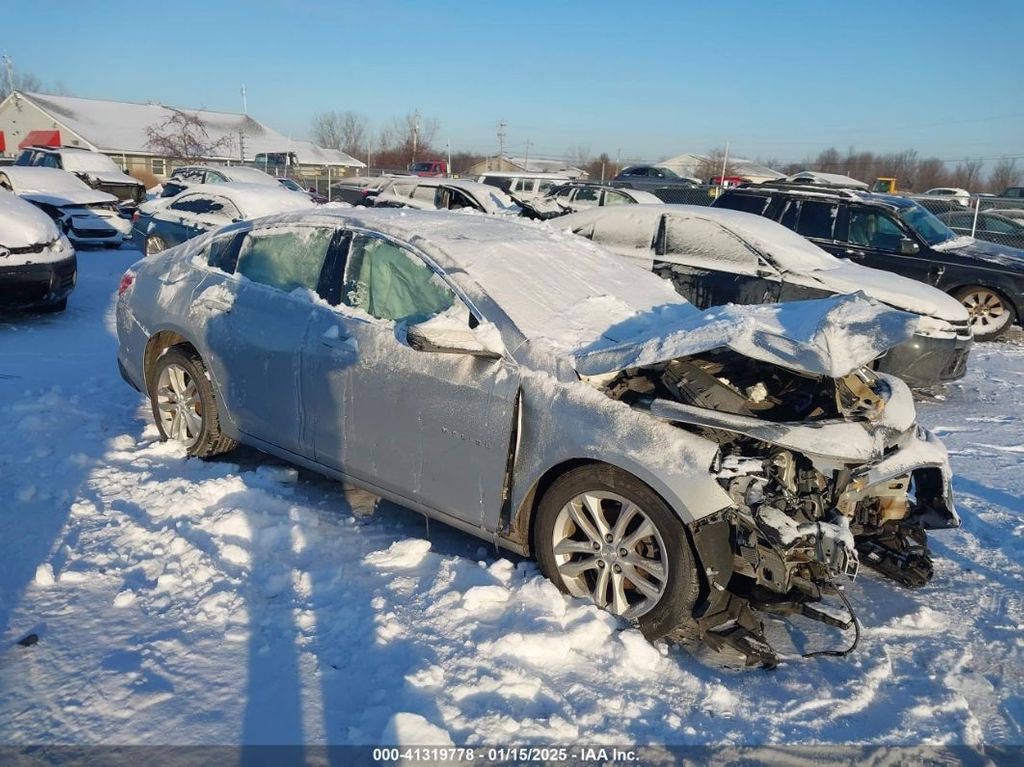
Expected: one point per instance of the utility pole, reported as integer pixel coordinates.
(526, 160)
(245, 107)
(415, 133)
(501, 144)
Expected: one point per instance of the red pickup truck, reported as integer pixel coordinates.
(429, 168)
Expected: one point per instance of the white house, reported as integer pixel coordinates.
(118, 129)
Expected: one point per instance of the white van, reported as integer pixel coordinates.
(523, 185)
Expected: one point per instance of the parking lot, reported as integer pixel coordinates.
(215, 602)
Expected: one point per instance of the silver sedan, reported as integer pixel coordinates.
(679, 468)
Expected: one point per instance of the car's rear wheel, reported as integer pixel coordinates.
(184, 404)
(603, 535)
(154, 244)
(991, 314)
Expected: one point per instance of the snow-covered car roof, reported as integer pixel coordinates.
(53, 186)
(23, 225)
(252, 200)
(825, 179)
(948, 191)
(491, 198)
(789, 249)
(85, 161)
(243, 174)
(581, 301)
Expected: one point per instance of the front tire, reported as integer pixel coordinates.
(991, 314)
(603, 535)
(184, 404)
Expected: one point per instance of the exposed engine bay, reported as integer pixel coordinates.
(806, 514)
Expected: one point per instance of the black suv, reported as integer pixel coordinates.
(898, 235)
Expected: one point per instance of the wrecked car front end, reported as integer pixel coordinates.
(826, 469)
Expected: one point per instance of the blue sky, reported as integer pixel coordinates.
(648, 79)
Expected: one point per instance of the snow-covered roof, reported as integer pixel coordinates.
(689, 165)
(546, 166)
(120, 126)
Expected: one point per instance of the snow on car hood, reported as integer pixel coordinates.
(829, 336)
(23, 225)
(893, 289)
(112, 177)
(979, 250)
(52, 186)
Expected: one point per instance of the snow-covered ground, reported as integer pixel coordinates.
(243, 601)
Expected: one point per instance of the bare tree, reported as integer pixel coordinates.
(23, 81)
(931, 173)
(1005, 173)
(967, 174)
(710, 164)
(184, 136)
(346, 131)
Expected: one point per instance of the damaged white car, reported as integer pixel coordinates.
(682, 469)
(89, 217)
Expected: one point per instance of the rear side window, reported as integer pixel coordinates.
(285, 258)
(501, 182)
(747, 203)
(615, 198)
(425, 193)
(586, 194)
(389, 283)
(708, 244)
(817, 219)
(637, 233)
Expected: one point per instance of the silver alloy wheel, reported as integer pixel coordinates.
(179, 406)
(986, 309)
(154, 244)
(607, 548)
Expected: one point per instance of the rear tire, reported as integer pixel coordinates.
(643, 569)
(991, 313)
(184, 403)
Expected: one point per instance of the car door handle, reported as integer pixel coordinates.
(338, 338)
(215, 303)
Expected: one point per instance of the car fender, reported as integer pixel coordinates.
(564, 423)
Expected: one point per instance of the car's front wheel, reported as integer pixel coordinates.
(154, 244)
(603, 535)
(185, 405)
(991, 314)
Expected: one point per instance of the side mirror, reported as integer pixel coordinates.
(908, 247)
(445, 335)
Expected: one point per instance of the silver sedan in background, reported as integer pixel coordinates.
(679, 468)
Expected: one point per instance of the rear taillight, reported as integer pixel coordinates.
(127, 280)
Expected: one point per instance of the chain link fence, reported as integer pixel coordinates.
(999, 220)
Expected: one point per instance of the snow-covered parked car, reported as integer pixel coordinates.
(679, 468)
(38, 268)
(87, 216)
(715, 256)
(186, 176)
(444, 194)
(571, 198)
(167, 221)
(94, 168)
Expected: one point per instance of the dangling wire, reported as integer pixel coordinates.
(856, 633)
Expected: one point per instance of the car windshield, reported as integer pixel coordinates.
(422, 166)
(926, 225)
